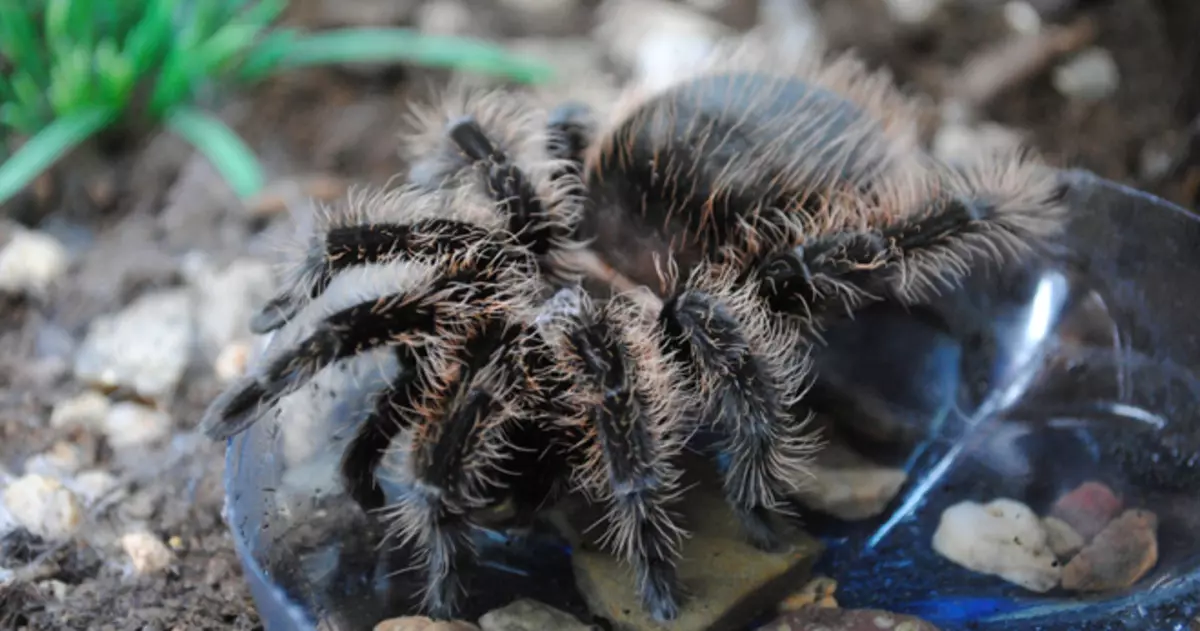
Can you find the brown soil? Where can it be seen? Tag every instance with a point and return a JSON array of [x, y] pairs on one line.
[[133, 214]]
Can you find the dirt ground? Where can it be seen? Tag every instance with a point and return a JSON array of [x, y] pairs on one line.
[[135, 214]]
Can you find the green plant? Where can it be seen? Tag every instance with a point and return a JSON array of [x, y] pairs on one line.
[[72, 68]]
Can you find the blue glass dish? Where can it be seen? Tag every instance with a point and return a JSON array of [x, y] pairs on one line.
[[1023, 384]]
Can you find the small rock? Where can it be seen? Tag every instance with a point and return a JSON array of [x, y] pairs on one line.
[[1022, 17], [85, 410], [226, 299], [1090, 75], [56, 590], [1087, 509], [44, 506], [232, 361], [728, 579], [1118, 557], [659, 40], [1062, 538], [1003, 538], [530, 615], [421, 623], [853, 494], [31, 262], [134, 425], [61, 460], [444, 17], [148, 554], [145, 348], [823, 619], [913, 12], [542, 15], [961, 141], [93, 484], [818, 592]]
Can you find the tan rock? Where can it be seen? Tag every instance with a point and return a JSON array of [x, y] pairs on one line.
[[728, 580], [1063, 539], [421, 623], [44, 506], [1118, 557], [530, 615]]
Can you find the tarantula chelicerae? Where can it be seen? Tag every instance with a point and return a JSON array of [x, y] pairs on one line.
[[751, 206]]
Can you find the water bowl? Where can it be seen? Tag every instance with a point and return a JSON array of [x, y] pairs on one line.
[[1024, 385]]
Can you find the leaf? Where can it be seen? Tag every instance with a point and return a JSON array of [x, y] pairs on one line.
[[48, 146], [409, 46], [231, 157]]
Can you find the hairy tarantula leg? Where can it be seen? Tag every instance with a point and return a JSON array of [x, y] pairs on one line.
[[437, 308], [344, 247], [827, 274], [378, 430], [456, 457], [633, 437], [571, 129], [751, 370], [509, 187]]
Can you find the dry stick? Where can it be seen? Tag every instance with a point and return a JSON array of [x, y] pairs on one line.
[[1016, 60]]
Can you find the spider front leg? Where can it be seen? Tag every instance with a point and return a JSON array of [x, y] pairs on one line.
[[625, 409], [452, 462], [749, 370]]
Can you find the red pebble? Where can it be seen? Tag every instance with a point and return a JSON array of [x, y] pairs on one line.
[[1088, 508]]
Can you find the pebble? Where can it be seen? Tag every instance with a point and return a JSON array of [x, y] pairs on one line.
[[852, 494], [819, 592], [1003, 538], [232, 361], [44, 506], [913, 12], [147, 552], [960, 141], [56, 590], [1063, 539], [144, 348], [1022, 17], [1118, 557], [61, 460], [134, 425], [93, 484], [1090, 75], [31, 262], [87, 409], [828, 619], [659, 40], [1087, 509], [444, 17], [530, 615], [226, 300], [421, 623]]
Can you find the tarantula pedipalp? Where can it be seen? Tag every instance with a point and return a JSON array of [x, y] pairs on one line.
[[778, 201]]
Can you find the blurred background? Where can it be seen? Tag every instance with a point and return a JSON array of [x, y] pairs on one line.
[[154, 154]]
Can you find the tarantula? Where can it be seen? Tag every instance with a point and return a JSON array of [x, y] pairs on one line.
[[746, 207]]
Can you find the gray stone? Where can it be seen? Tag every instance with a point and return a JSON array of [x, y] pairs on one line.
[[530, 615], [144, 348]]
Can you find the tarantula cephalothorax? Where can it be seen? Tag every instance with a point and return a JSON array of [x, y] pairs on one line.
[[752, 206]]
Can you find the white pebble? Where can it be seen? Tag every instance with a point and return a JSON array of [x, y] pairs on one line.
[[1003, 538], [231, 362], [44, 506], [226, 300], [148, 554], [93, 484], [145, 348], [134, 425], [961, 142], [1022, 17], [1090, 75], [63, 459], [85, 410], [913, 11], [31, 262]]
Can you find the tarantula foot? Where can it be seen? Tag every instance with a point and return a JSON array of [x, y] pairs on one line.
[[442, 600], [760, 530], [660, 593], [468, 135]]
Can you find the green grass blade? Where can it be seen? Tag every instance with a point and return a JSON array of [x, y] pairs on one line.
[[47, 147], [231, 157], [409, 46]]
